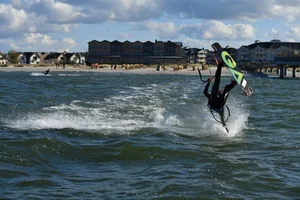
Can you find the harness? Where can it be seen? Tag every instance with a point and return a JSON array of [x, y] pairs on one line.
[[221, 113]]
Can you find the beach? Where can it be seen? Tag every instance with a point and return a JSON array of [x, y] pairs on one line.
[[145, 70]]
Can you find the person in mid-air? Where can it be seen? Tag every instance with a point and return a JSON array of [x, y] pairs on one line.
[[217, 98], [47, 72]]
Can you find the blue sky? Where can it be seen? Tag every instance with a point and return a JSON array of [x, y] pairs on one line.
[[58, 25]]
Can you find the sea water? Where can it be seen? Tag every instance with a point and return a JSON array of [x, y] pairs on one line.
[[79, 135]]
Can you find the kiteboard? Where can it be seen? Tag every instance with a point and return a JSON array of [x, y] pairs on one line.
[[232, 67]]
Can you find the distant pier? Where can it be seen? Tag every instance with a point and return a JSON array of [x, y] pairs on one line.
[[282, 68], [282, 71]]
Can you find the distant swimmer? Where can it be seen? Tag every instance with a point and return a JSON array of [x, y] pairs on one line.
[[47, 72]]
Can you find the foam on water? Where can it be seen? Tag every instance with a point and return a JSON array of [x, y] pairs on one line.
[[125, 112], [69, 74], [39, 74], [62, 74], [238, 120], [201, 123], [80, 118], [236, 123], [150, 106]]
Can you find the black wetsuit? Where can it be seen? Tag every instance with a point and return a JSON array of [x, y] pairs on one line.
[[217, 99], [46, 72]]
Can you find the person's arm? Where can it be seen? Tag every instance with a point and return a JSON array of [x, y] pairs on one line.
[[221, 64], [206, 89]]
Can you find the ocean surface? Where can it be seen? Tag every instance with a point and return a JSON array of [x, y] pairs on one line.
[[80, 135]]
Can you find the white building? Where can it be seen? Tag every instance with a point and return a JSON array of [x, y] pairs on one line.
[[29, 58]]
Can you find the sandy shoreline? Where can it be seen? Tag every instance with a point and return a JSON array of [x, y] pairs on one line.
[[188, 71]]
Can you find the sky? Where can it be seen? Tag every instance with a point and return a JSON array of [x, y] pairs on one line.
[[68, 25]]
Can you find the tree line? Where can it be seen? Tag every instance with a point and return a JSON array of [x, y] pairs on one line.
[[13, 57]]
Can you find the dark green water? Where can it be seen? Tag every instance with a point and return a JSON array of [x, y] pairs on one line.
[[126, 136]]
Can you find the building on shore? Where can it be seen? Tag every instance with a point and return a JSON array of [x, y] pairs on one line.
[[269, 56], [29, 58], [274, 53], [137, 52], [195, 55], [268, 52], [35, 58], [54, 58], [3, 59]]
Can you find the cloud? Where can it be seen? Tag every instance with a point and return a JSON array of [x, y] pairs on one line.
[[12, 20], [193, 42], [99, 11], [290, 10], [38, 38], [40, 42], [8, 44], [51, 10], [163, 30], [219, 30], [123, 36], [293, 34], [234, 9], [16, 22], [273, 33], [206, 30], [92, 11]]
